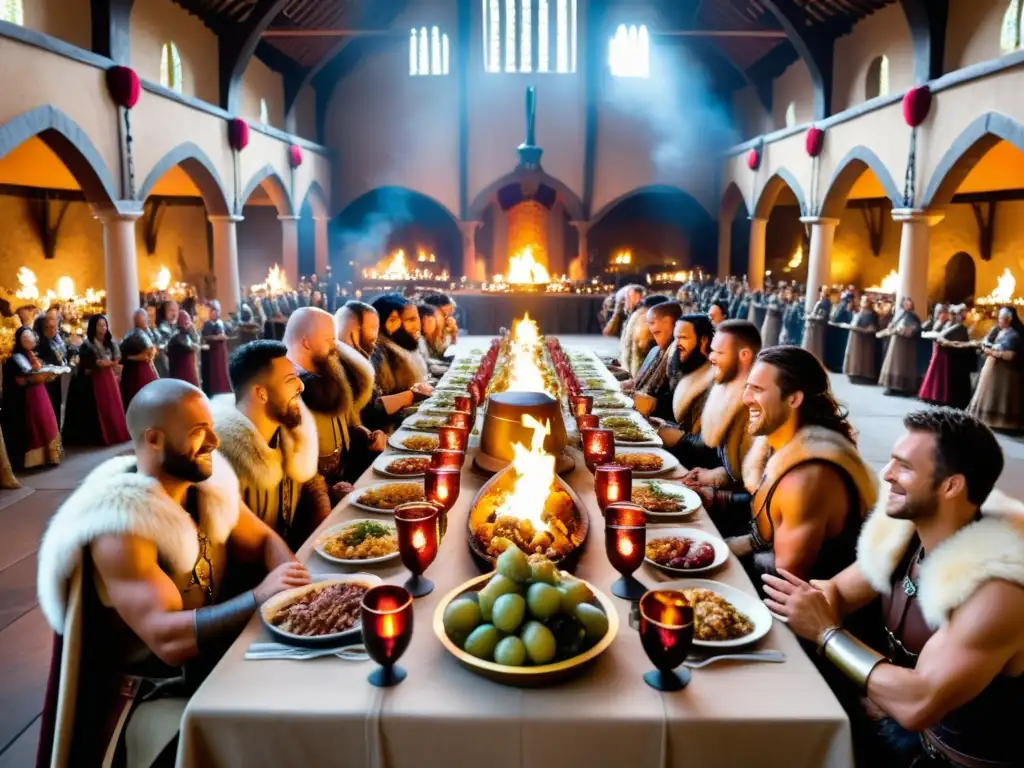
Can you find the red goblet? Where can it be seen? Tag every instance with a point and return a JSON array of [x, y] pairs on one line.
[[441, 487], [625, 541], [443, 458], [612, 483], [386, 615], [418, 537], [453, 438], [598, 446], [475, 391], [588, 421], [460, 419], [582, 405], [666, 633], [466, 404]]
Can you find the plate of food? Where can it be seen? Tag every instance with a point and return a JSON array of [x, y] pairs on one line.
[[528, 624], [409, 440], [442, 399], [384, 497], [358, 542], [401, 465], [724, 617], [684, 551], [425, 422], [612, 401], [322, 614], [660, 498], [645, 462]]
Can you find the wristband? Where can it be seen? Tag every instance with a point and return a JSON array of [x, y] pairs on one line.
[[215, 625], [824, 637], [851, 657]]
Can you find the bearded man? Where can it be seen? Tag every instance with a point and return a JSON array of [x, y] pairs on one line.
[[691, 376], [447, 306], [396, 358], [269, 437], [432, 343], [945, 553], [652, 379], [133, 577], [338, 383]]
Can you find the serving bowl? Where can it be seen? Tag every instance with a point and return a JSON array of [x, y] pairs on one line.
[[526, 676]]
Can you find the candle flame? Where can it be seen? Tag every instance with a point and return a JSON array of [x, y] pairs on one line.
[[419, 540], [388, 626], [625, 547]]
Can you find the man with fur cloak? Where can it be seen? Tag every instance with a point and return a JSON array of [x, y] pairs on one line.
[[136, 575], [691, 376], [396, 357], [945, 553]]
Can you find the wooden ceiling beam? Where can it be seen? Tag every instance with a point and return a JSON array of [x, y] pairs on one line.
[[238, 46], [814, 44]]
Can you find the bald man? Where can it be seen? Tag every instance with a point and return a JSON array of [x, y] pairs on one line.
[[132, 574], [338, 384]]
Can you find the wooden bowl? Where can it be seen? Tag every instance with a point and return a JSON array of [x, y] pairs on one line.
[[525, 677], [486, 562]]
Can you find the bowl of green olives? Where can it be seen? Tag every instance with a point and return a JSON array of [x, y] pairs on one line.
[[527, 624]]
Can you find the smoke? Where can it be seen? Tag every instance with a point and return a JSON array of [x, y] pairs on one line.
[[688, 124], [376, 215]]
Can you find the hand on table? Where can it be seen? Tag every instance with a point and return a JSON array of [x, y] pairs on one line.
[[339, 491], [707, 495], [809, 608], [701, 477], [285, 576], [423, 389], [377, 441], [628, 386]]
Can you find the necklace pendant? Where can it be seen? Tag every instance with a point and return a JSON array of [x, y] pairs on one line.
[[909, 586]]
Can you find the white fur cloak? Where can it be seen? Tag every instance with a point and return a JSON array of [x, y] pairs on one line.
[[257, 464], [989, 548], [114, 500], [689, 388]]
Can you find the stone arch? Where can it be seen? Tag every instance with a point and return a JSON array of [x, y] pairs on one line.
[[965, 152], [199, 168], [855, 164], [275, 188], [770, 192], [732, 199], [395, 189], [70, 143], [317, 199], [650, 189], [960, 278], [571, 201]]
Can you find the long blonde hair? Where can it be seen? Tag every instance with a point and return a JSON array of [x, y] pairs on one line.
[[631, 351]]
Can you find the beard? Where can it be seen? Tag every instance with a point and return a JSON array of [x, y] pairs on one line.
[[330, 366], [684, 366], [405, 340], [193, 469], [726, 372], [902, 506], [289, 416], [765, 422], [365, 346]]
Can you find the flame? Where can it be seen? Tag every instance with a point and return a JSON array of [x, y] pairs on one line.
[[1006, 284], [397, 267], [525, 375], [65, 288], [623, 257], [798, 258], [27, 280], [534, 472], [419, 540], [524, 268], [162, 281], [276, 283], [890, 284]]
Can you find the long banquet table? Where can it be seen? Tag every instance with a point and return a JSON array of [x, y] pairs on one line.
[[323, 712]]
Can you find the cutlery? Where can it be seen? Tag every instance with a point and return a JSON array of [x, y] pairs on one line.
[[269, 651], [697, 661]]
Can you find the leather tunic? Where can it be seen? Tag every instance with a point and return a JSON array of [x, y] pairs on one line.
[[983, 731]]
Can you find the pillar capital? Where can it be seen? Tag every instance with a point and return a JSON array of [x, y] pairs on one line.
[[288, 218], [757, 220], [917, 216], [111, 215], [223, 219], [580, 226], [822, 221]]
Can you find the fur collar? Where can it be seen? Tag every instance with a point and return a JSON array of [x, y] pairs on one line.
[[723, 406], [690, 387], [397, 368], [344, 395], [254, 461], [115, 500], [360, 375], [990, 548]]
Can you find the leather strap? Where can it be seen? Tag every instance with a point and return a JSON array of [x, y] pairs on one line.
[[128, 691], [937, 749]]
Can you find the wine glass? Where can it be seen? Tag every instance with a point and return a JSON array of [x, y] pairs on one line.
[[386, 615], [666, 633], [588, 421], [582, 404], [625, 541], [612, 483], [443, 458], [417, 526], [441, 487], [460, 419], [453, 438], [598, 446], [466, 404]]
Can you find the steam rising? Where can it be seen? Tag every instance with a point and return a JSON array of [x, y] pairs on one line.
[[368, 241]]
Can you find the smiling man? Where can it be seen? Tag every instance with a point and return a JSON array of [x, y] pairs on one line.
[[652, 380], [946, 555]]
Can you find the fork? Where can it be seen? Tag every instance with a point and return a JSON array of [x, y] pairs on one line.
[[273, 651], [697, 661]]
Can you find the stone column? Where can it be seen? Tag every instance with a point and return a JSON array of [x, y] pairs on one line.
[[724, 247], [469, 270], [819, 260], [914, 255], [225, 262], [557, 264], [755, 264], [579, 267], [290, 248], [323, 247], [121, 269]]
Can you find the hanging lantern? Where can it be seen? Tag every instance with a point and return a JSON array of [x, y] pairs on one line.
[[754, 159], [815, 141], [124, 86], [238, 134], [916, 105], [294, 155]]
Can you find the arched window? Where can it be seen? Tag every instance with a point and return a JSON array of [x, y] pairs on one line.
[[264, 113], [1010, 37], [791, 114], [428, 52], [530, 35], [877, 82], [629, 52], [12, 12], [170, 67]]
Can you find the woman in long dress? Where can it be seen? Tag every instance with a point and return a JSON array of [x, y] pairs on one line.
[[899, 370], [859, 363], [182, 351], [817, 326], [997, 400], [163, 329], [29, 423], [138, 351], [99, 412], [771, 328], [248, 329], [215, 356], [948, 380]]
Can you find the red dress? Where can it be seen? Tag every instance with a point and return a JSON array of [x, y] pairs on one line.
[[215, 359], [136, 373], [106, 395], [29, 423], [181, 351]]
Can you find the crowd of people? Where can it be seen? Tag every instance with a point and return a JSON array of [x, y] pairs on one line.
[[930, 673], [882, 340]]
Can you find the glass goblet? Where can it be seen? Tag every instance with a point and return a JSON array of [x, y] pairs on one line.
[[443, 458], [417, 526], [666, 634], [598, 446], [588, 421], [582, 405], [612, 483], [625, 542], [453, 438], [441, 487], [466, 404], [386, 615], [460, 419]]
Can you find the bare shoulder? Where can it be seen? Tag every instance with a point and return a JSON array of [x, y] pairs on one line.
[[811, 484], [996, 607], [123, 556]]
